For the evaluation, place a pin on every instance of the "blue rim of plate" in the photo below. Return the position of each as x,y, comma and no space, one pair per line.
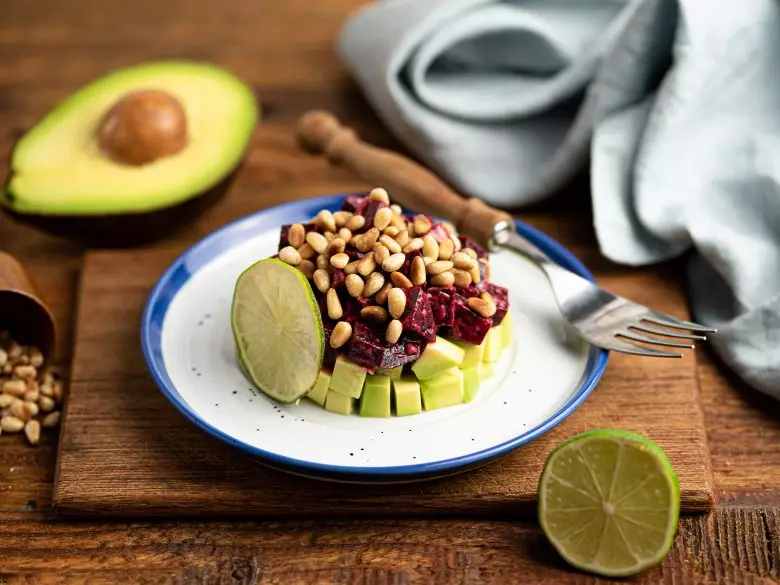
233,234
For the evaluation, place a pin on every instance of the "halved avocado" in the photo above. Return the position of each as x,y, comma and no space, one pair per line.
133,154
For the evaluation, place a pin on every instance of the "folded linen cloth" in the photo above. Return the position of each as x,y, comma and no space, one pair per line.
675,103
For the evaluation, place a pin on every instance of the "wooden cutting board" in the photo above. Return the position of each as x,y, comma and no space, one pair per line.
125,451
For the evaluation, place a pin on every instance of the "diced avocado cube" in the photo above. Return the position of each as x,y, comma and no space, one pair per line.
393,373
407,396
320,390
347,378
437,357
339,403
376,397
485,371
444,389
506,330
471,383
472,353
493,345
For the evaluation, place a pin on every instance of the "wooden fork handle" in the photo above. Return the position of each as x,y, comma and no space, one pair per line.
407,182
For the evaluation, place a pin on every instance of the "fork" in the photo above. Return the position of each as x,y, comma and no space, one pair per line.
604,319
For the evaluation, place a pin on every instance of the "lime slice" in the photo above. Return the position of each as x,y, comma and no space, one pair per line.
278,329
609,502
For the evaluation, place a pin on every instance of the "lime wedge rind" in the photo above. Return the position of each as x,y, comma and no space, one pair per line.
606,527
278,330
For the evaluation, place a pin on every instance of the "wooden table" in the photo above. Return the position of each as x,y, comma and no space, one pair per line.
47,49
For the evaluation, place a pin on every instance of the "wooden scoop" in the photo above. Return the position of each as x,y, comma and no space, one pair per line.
408,183
22,312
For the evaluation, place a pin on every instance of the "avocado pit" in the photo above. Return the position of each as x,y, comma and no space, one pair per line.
142,127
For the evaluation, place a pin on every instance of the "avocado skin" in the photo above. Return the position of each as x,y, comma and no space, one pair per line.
126,229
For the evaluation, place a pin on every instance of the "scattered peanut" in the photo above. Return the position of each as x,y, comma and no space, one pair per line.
6,400
317,241
381,296
430,247
47,389
355,223
481,306
475,276
15,388
367,264
25,372
394,262
11,424
290,255
3,357
417,271
446,249
375,281
396,302
382,218
51,420
443,279
58,391
335,310
325,219
379,194
354,285
341,334
400,280
393,332
46,404
438,266
422,225
32,430
20,410
374,313
462,261
339,260
462,277
470,253
296,235
33,391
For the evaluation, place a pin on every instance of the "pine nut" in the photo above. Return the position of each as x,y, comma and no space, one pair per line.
382,218
375,281
322,262
396,209
396,302
391,231
470,253
329,236
403,237
6,400
317,241
438,267
417,271
443,279
430,247
379,194
475,276
306,251
374,313
389,243
446,249
15,388
482,306
351,268
398,222
296,235
380,252
11,424
32,431
356,222
462,277
46,404
341,218
339,260
456,244
394,262
290,255
32,393
487,297
354,285
355,240
486,264
325,219
410,229
47,389
20,410
414,244
345,234
341,334
334,304
462,261
307,267
370,238
58,391
51,420
393,332
26,372
427,260
400,280
422,225
336,246
36,357
367,264
380,298
3,357
322,280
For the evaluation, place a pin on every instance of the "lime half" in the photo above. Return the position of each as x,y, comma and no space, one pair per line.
609,502
278,329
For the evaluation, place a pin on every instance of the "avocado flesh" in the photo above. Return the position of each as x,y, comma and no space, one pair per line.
506,330
320,391
338,403
375,400
493,345
393,373
444,389
471,382
406,391
437,357
472,354
59,170
348,378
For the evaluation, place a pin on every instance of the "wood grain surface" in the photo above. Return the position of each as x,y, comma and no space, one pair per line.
49,48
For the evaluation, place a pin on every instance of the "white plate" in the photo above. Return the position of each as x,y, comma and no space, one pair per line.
190,352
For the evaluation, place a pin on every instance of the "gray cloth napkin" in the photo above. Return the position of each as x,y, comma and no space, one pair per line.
674,103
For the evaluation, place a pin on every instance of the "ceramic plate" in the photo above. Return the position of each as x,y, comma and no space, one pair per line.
190,352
